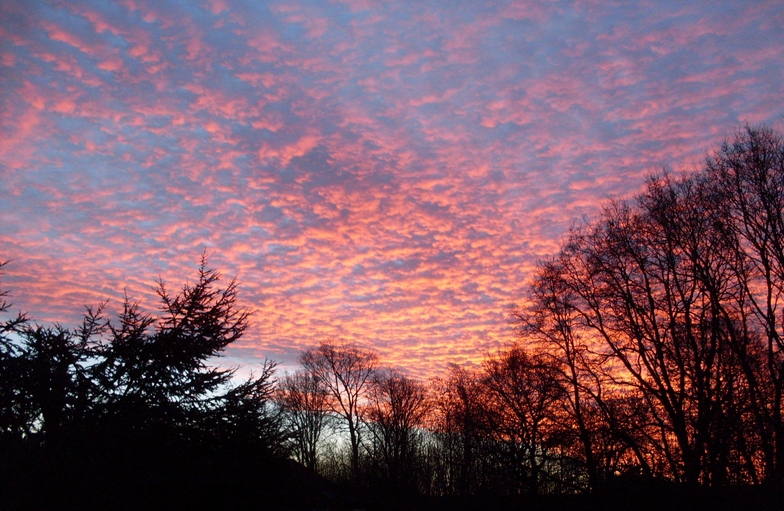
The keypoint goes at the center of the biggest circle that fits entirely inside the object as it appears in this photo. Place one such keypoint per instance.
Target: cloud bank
(377, 172)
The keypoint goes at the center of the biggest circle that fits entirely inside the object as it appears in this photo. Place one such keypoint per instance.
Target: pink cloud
(385, 173)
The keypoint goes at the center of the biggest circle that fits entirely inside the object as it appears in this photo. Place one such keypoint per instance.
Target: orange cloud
(384, 173)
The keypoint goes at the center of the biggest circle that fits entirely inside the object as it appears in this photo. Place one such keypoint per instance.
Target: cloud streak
(379, 172)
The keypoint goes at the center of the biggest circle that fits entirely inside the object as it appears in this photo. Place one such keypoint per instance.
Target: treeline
(649, 348)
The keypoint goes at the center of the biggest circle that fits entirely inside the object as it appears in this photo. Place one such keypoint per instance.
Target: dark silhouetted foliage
(132, 413)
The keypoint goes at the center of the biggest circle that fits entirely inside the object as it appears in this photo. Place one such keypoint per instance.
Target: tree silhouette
(16, 404)
(746, 180)
(304, 399)
(346, 371)
(136, 406)
(157, 373)
(460, 424)
(395, 413)
(669, 304)
(523, 393)
(550, 321)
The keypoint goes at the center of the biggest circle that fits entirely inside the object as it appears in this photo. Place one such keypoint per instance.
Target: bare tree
(604, 420)
(304, 400)
(746, 179)
(459, 424)
(523, 395)
(395, 414)
(346, 371)
(645, 302)
(648, 280)
(550, 320)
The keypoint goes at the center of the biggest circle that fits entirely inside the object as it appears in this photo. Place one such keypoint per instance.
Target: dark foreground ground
(629, 499)
(148, 479)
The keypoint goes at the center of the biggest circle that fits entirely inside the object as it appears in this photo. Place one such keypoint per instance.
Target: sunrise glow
(387, 173)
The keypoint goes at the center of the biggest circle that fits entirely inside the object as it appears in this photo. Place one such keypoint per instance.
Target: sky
(383, 173)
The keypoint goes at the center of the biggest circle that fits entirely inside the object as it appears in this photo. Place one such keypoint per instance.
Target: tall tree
(523, 395)
(745, 178)
(138, 399)
(648, 276)
(460, 425)
(396, 411)
(550, 320)
(159, 373)
(347, 372)
(304, 399)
